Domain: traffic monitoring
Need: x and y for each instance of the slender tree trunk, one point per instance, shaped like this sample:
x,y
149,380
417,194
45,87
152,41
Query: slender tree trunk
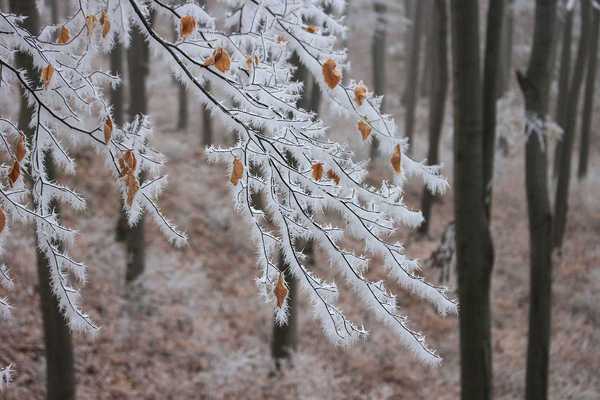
x,y
413,73
561,203
588,105
474,254
378,52
437,99
138,63
428,49
563,81
505,59
536,87
60,371
492,63
182,114
207,129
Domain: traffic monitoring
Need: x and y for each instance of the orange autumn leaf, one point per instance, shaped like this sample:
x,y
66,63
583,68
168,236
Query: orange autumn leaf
x,y
360,94
64,35
105,22
47,73
2,220
133,185
14,173
90,23
396,159
108,127
317,171
364,128
281,290
187,26
220,59
237,171
311,29
333,176
331,73
21,149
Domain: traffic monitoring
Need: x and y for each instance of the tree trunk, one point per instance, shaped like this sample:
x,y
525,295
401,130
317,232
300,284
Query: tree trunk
x,y
474,255
60,371
182,114
428,49
505,60
138,62
536,87
588,105
437,99
378,52
561,203
492,62
413,73
563,81
207,129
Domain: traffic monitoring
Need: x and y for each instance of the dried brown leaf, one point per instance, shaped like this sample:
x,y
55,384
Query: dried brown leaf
x,y
396,159
2,220
64,35
331,73
187,26
108,128
317,171
21,148
47,73
360,93
281,290
364,128
14,173
133,185
90,23
333,176
237,171
311,29
105,22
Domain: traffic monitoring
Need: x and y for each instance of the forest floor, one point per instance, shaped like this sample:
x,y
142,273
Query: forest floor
x,y
194,326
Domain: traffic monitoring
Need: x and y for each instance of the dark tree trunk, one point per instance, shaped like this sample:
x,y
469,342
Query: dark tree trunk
x,y
563,81
378,52
60,371
474,254
207,129
492,62
505,61
413,72
437,99
561,202
588,105
428,49
138,62
182,114
536,87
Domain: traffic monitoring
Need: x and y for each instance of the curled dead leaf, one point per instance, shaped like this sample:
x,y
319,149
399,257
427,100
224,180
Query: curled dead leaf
x,y
237,171
46,76
2,220
281,290
364,128
317,171
331,73
133,186
333,176
108,127
64,35
90,23
220,59
311,29
396,159
15,173
105,22
21,148
130,160
360,94
187,26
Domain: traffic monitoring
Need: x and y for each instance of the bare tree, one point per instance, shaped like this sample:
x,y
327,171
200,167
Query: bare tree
x,y
561,202
138,57
474,253
413,72
437,99
588,105
378,52
535,85
58,343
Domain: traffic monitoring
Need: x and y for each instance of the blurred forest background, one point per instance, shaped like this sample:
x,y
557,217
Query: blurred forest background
x,y
188,323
